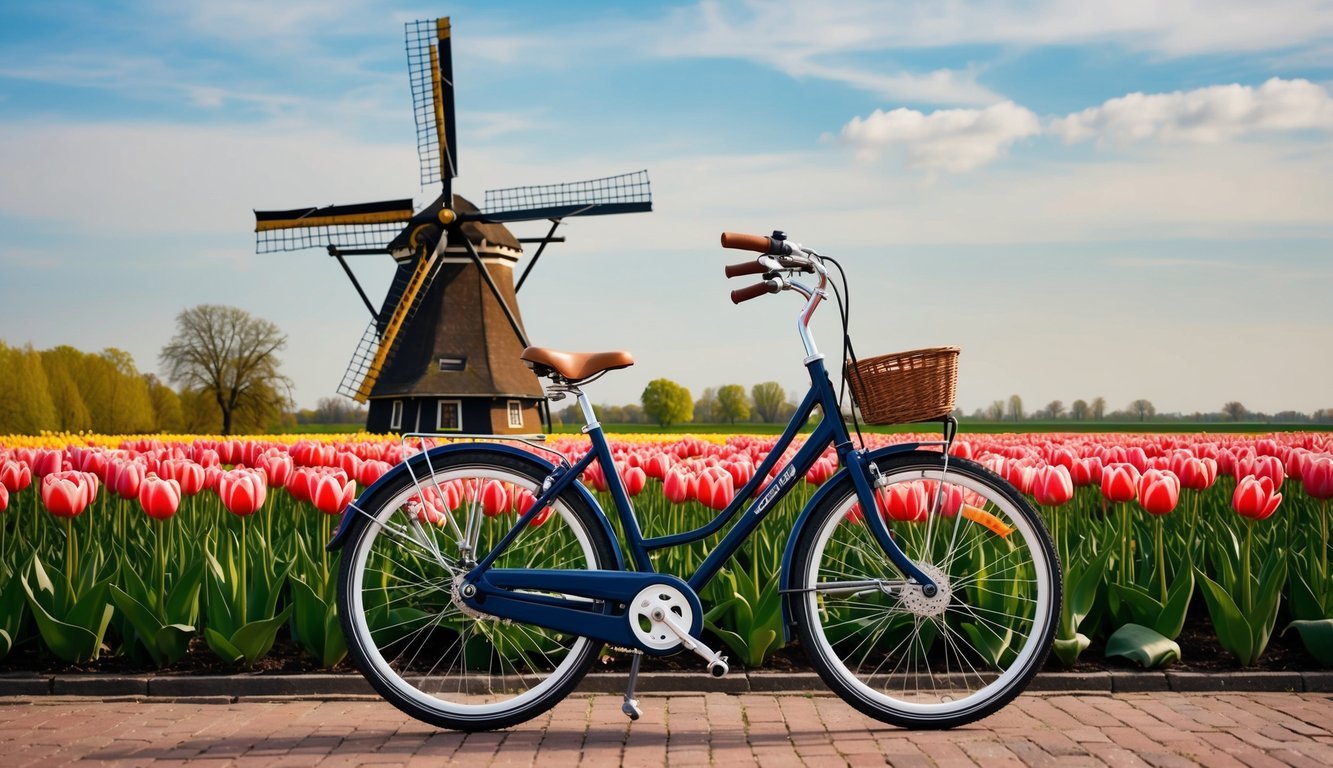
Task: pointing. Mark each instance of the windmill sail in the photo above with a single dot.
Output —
(626, 193)
(431, 69)
(363, 225)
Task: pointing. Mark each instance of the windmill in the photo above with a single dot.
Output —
(441, 352)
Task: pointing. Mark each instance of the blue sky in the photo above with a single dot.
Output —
(1127, 201)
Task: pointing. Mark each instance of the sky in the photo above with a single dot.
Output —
(1127, 200)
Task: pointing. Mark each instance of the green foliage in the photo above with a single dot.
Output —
(768, 399)
(667, 402)
(733, 405)
(63, 366)
(72, 612)
(1142, 645)
(26, 407)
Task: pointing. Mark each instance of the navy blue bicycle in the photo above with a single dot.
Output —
(923, 588)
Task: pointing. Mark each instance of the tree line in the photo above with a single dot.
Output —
(1137, 410)
(223, 362)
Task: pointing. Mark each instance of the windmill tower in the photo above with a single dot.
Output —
(441, 351)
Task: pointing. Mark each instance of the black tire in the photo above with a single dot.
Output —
(901, 657)
(403, 623)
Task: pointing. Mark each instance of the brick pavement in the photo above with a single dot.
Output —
(773, 730)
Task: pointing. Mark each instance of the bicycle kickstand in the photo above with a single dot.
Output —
(631, 705)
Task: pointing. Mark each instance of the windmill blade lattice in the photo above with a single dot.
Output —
(430, 69)
(626, 193)
(363, 225)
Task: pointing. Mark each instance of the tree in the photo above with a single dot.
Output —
(706, 407)
(64, 367)
(230, 357)
(167, 413)
(733, 405)
(1143, 409)
(1079, 410)
(667, 402)
(1055, 409)
(1016, 407)
(1235, 410)
(1099, 408)
(25, 397)
(995, 411)
(116, 394)
(768, 398)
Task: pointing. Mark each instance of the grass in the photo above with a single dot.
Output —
(976, 427)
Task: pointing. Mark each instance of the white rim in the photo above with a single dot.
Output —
(1040, 622)
(372, 652)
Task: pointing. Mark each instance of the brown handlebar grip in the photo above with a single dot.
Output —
(749, 292)
(742, 242)
(746, 268)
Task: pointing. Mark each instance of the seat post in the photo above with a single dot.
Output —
(589, 416)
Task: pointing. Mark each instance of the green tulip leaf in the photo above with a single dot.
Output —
(6, 643)
(222, 646)
(173, 641)
(71, 642)
(183, 602)
(335, 643)
(1142, 645)
(1317, 635)
(256, 638)
(1233, 630)
(1067, 650)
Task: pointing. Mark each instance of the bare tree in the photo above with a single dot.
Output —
(995, 411)
(1235, 410)
(229, 356)
(1079, 410)
(1016, 407)
(1099, 408)
(1143, 409)
(1055, 409)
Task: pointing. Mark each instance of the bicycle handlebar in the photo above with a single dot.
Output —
(754, 291)
(746, 268)
(758, 243)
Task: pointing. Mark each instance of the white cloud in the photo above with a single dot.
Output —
(1211, 114)
(951, 140)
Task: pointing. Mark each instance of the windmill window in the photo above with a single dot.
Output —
(396, 416)
(450, 416)
(515, 413)
(452, 364)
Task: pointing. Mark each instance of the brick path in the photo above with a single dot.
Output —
(1157, 729)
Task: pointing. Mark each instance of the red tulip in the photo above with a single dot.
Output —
(1159, 491)
(371, 471)
(904, 502)
(715, 488)
(1053, 486)
(331, 493)
(1135, 456)
(1020, 475)
(278, 467)
(741, 472)
(125, 477)
(635, 478)
(658, 465)
(1086, 471)
(821, 471)
(67, 494)
(1318, 477)
(189, 474)
(1255, 497)
(4, 497)
(159, 497)
(1195, 474)
(1270, 467)
(675, 487)
(494, 499)
(426, 512)
(15, 475)
(299, 483)
(242, 491)
(46, 462)
(1120, 482)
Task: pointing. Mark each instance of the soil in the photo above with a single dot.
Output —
(1199, 647)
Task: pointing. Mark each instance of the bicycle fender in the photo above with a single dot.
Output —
(420, 464)
(827, 488)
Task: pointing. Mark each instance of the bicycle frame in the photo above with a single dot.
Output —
(498, 591)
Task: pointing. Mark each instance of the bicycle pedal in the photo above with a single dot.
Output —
(631, 708)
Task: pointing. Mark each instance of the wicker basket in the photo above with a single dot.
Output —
(905, 387)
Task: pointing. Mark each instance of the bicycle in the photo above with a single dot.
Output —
(933, 611)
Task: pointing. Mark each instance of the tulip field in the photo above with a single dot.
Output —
(155, 547)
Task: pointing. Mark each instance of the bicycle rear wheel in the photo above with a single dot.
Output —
(407, 629)
(898, 655)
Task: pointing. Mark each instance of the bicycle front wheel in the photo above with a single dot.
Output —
(927, 661)
(407, 628)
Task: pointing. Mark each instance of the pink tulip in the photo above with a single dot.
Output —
(4, 497)
(494, 499)
(1120, 482)
(675, 487)
(15, 475)
(658, 465)
(371, 471)
(821, 471)
(242, 491)
(46, 462)
(125, 477)
(159, 497)
(331, 493)
(1318, 477)
(904, 502)
(1086, 471)
(67, 493)
(1053, 486)
(278, 467)
(715, 488)
(1159, 491)
(1195, 474)
(1255, 497)
(635, 479)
